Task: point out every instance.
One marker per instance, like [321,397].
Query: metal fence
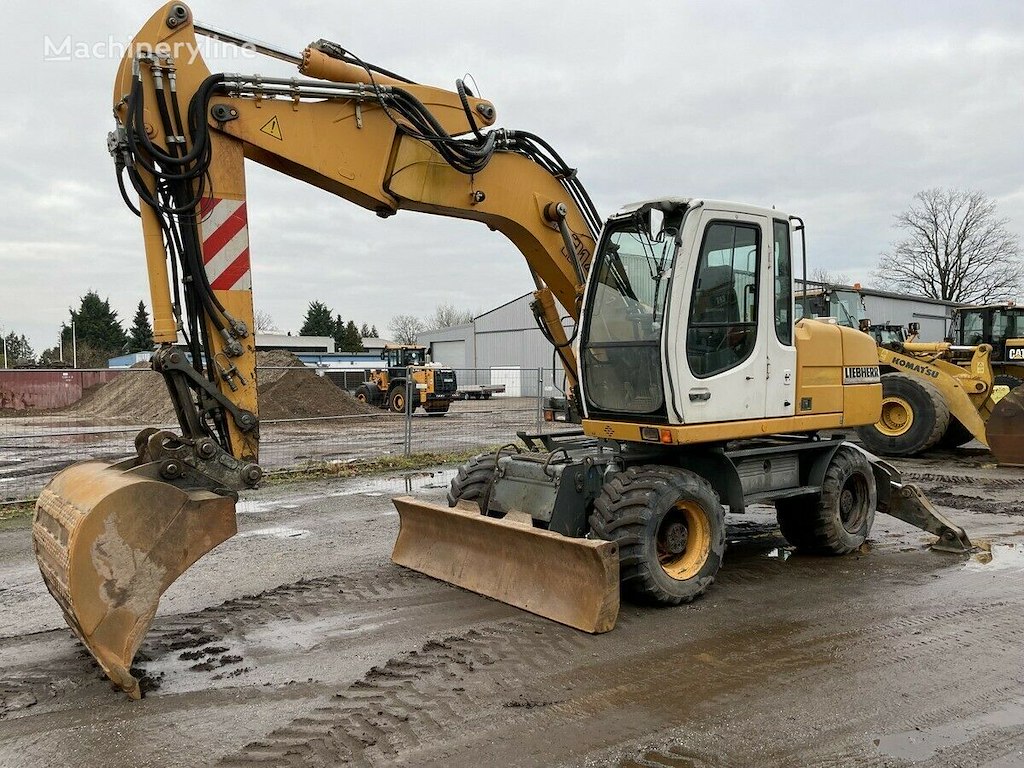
[35,444]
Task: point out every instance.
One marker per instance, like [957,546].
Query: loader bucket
[109,541]
[1005,429]
[571,581]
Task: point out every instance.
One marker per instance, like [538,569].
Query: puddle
[278,532]
[998,557]
[923,744]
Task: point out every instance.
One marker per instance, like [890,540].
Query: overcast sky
[838,113]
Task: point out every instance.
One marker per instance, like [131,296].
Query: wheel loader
[408,382]
[697,391]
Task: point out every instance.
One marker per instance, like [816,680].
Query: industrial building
[502,346]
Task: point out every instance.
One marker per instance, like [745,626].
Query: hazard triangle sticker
[273,128]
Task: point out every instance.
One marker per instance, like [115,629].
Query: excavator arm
[111,538]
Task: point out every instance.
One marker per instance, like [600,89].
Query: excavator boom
[111,538]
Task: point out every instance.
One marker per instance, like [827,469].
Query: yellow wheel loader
[697,391]
[408,382]
[944,395]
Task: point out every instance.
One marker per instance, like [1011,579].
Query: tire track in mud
[964,480]
[417,700]
[414,700]
[209,637]
[925,642]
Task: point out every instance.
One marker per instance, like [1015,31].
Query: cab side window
[723,312]
[783,283]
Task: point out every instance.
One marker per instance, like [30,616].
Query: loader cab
[688,303]
[994,324]
[403,356]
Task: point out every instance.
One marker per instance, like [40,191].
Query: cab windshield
[626,308]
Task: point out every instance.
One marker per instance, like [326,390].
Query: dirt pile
[287,390]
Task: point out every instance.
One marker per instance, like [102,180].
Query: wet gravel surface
[298,643]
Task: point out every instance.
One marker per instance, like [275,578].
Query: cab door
[780,375]
[723,364]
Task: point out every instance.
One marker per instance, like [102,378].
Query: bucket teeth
[109,541]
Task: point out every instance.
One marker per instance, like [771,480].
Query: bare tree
[263,322]
[405,328]
[954,247]
[821,275]
[446,315]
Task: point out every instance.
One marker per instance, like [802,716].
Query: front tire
[914,417]
[839,520]
[473,481]
[365,395]
[670,528]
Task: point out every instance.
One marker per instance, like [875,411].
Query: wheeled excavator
[697,390]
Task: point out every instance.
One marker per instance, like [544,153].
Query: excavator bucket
[571,581]
[109,540]
[1005,429]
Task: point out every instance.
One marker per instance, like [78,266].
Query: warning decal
[226,244]
[273,128]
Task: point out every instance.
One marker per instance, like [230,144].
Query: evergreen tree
[98,332]
[353,341]
[140,335]
[339,334]
[373,332]
[18,349]
[318,321]
[364,331]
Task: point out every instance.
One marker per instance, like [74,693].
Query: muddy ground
[298,643]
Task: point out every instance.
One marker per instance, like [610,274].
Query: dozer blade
[571,581]
[109,541]
[1005,429]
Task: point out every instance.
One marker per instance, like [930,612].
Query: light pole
[74,345]
[5,351]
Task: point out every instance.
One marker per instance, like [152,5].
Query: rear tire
[670,528]
[838,520]
[473,481]
[914,417]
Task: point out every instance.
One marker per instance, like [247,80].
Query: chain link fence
[36,443]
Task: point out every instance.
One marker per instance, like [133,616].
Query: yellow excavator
[697,391]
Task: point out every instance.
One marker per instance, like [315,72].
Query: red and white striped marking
[226,244]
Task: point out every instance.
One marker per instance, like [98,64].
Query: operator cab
[993,324]
[715,276]
[403,356]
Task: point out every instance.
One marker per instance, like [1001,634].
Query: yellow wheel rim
[684,541]
[897,417]
[399,402]
[361,397]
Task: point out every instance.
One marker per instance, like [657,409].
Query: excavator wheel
[473,481]
[838,520]
[914,417]
[1005,429]
[670,528]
